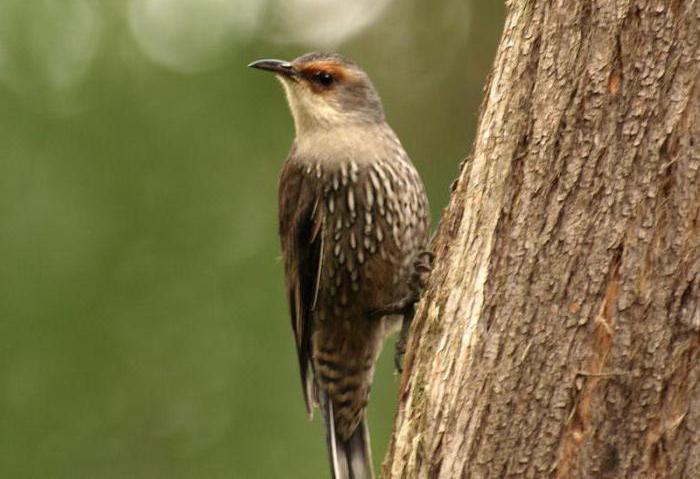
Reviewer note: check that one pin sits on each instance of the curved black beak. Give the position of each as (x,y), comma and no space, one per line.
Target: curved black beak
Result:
(280,67)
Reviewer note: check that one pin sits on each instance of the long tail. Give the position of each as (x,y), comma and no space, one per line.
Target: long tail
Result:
(351,459)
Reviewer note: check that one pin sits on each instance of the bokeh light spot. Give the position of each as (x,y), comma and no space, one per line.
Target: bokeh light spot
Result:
(326,23)
(191,35)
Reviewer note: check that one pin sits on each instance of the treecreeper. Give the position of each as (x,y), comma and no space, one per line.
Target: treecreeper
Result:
(353,224)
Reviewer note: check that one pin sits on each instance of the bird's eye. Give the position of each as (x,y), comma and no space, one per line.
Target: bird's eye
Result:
(324,78)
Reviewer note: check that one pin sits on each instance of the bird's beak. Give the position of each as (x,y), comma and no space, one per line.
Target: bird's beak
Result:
(279,67)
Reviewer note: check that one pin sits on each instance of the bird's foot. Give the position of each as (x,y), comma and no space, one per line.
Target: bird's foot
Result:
(402,307)
(422,267)
(406,307)
(417,282)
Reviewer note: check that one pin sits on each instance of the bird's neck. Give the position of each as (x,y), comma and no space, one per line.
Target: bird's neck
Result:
(325,120)
(362,143)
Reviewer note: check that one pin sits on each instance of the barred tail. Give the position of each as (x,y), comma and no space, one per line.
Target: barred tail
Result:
(351,459)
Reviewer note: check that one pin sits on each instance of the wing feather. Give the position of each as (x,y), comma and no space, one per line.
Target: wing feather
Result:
(302,246)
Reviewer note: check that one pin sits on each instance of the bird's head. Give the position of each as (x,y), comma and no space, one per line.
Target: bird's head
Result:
(326,91)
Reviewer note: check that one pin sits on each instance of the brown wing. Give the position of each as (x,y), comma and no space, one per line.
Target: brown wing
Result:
(302,247)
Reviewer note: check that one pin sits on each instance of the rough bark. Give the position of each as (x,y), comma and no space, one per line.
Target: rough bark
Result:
(560,332)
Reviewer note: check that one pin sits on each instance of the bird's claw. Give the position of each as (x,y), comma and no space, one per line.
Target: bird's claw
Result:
(422,267)
(417,283)
(402,307)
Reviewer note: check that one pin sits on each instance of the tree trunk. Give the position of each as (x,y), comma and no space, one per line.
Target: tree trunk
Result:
(560,332)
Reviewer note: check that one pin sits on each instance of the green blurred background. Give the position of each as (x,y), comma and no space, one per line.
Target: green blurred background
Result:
(143,325)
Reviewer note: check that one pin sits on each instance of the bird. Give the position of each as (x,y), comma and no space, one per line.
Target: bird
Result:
(353,224)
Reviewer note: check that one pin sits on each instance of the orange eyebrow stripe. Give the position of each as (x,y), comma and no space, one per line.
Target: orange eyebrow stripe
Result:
(330,66)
